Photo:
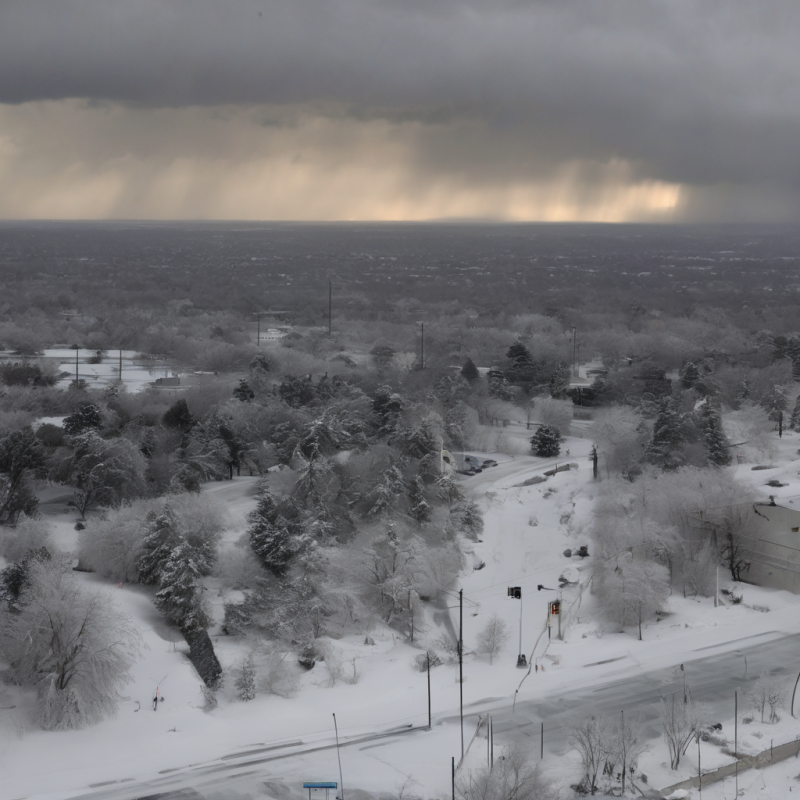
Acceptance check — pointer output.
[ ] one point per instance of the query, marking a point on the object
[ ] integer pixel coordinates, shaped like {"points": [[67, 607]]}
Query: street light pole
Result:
{"points": [[515, 592]]}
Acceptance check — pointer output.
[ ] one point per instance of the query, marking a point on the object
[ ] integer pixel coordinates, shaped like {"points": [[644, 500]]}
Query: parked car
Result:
{"points": [[489, 462]]}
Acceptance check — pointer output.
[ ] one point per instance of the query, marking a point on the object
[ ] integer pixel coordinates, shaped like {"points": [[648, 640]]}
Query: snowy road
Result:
{"points": [[710, 679]]}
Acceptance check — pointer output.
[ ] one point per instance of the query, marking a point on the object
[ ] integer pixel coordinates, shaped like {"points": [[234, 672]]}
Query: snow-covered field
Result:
{"points": [[527, 528]]}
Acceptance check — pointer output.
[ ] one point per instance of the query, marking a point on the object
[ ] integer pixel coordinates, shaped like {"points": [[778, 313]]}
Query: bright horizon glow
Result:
{"points": [[72, 160]]}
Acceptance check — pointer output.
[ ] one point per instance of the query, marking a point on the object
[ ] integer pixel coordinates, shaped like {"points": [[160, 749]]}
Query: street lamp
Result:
{"points": [[557, 610], [515, 592]]}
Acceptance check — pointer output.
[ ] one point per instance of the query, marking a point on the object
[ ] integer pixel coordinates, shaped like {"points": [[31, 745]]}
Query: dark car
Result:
{"points": [[490, 462]]}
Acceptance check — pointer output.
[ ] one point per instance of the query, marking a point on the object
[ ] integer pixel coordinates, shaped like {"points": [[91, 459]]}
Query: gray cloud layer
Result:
{"points": [[692, 92]]}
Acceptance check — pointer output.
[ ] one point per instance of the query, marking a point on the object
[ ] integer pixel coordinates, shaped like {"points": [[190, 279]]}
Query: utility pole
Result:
{"points": [[461, 663], [120, 366], [683, 670], [736, 738], [330, 308], [422, 346], [429, 690], [453, 775], [338, 755], [77, 351], [258, 328], [574, 352]]}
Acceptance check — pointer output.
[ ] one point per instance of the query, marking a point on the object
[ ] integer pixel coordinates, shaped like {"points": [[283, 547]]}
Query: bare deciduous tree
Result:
{"points": [[492, 637], [72, 644], [768, 691], [512, 776], [682, 721], [589, 736], [626, 744]]}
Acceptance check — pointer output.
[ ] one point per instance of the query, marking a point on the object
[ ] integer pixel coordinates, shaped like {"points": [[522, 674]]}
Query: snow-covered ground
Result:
{"points": [[527, 529]]}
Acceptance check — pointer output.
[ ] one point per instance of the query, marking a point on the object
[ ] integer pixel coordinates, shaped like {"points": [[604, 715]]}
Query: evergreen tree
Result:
{"points": [[774, 402], [157, 545], [419, 509], [794, 421], [559, 382], [519, 355], [271, 536], [467, 516], [664, 447], [717, 445], [85, 418], [179, 416], [386, 492], [243, 392], [469, 371], [499, 386], [689, 375], [387, 406], [180, 597], [449, 488], [245, 682], [546, 442]]}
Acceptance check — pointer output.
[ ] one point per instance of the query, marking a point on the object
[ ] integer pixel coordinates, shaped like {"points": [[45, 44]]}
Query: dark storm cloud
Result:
{"points": [[691, 92]]}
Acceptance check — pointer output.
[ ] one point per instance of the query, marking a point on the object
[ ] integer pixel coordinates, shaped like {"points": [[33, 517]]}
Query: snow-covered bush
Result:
{"points": [[28, 534], [71, 643]]}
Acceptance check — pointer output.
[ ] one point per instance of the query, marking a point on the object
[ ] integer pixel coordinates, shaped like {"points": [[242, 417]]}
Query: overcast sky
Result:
{"points": [[400, 109]]}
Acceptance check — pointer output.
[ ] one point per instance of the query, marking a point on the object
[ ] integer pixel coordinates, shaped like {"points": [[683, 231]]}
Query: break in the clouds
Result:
{"points": [[399, 109]]}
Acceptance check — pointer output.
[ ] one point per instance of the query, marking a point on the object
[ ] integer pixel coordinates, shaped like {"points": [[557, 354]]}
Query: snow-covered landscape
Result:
{"points": [[277, 743]]}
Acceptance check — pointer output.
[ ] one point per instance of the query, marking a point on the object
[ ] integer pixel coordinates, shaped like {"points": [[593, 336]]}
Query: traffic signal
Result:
{"points": [[515, 592], [555, 607]]}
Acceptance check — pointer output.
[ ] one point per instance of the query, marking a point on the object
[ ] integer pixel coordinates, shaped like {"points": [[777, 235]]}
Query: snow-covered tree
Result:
{"points": [[514, 776], [664, 447], [682, 719], [689, 374], [245, 681], [387, 491], [492, 637], [559, 382], [546, 442], [716, 442], [620, 435], [30, 533], [590, 736], [180, 597], [21, 456], [72, 644], [449, 489], [630, 589], [469, 371], [553, 413], [87, 417], [105, 472], [271, 536], [768, 692], [162, 536], [419, 507], [467, 517]]}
